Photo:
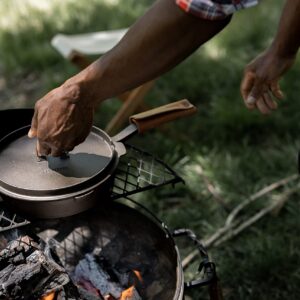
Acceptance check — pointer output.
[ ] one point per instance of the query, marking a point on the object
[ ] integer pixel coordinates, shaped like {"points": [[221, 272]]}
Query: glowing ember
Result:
{"points": [[130, 294], [50, 296]]}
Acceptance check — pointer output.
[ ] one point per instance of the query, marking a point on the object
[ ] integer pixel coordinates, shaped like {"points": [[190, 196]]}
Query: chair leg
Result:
{"points": [[79, 60], [123, 97], [135, 99]]}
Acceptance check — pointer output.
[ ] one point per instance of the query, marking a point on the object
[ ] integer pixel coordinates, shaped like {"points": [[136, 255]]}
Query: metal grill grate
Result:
{"points": [[137, 171], [9, 220]]}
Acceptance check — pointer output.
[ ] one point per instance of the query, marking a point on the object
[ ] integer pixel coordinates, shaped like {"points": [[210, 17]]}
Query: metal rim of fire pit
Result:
{"points": [[207, 266], [159, 229], [137, 209]]}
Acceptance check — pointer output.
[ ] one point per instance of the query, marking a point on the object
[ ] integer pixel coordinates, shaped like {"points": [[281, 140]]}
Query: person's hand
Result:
{"points": [[260, 85], [62, 119]]}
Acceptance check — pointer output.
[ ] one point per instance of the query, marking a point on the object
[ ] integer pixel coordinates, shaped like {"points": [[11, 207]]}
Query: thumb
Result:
{"points": [[34, 124]]}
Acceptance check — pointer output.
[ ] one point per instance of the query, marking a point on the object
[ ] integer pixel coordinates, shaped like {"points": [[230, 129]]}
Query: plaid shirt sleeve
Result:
{"points": [[214, 9]]}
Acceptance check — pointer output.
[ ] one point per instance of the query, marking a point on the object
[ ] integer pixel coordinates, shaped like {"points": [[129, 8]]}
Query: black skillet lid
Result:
{"points": [[21, 170]]}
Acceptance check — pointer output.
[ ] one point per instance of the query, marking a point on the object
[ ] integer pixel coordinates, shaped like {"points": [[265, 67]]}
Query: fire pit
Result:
{"points": [[117, 251]]}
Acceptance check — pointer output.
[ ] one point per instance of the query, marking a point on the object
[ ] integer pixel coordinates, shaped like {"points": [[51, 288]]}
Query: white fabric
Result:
{"points": [[88, 43]]}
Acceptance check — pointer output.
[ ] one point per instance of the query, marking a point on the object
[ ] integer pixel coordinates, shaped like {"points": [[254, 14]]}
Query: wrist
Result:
{"points": [[74, 92], [90, 83]]}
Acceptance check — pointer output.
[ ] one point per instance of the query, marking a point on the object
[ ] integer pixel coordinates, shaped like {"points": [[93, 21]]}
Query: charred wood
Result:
{"points": [[89, 271], [28, 270]]}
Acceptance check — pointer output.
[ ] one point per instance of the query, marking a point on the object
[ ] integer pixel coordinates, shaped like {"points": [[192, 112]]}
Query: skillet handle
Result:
{"points": [[163, 114]]}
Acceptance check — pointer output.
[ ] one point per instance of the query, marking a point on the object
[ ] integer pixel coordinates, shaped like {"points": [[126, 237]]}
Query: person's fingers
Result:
{"points": [[250, 102], [276, 91], [80, 139], [57, 152], [34, 125], [256, 92], [69, 148], [246, 87], [269, 101], [262, 106], [42, 149]]}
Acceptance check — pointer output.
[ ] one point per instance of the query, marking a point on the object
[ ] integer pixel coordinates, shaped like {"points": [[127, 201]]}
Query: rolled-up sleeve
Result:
{"points": [[214, 9]]}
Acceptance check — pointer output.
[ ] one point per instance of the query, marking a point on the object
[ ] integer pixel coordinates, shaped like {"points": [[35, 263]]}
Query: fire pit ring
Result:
{"points": [[126, 237]]}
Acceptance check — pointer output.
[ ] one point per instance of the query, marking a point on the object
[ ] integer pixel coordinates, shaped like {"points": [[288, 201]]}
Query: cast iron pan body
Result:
{"points": [[32, 199], [56, 187]]}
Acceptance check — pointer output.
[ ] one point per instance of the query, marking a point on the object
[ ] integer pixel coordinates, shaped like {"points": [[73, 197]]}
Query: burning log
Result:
{"points": [[97, 279], [28, 270], [89, 272]]}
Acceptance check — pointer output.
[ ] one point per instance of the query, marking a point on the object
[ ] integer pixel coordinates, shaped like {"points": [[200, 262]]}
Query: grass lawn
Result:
{"points": [[239, 151]]}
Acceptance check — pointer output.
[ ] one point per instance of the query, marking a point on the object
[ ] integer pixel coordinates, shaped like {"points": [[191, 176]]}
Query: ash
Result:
{"points": [[96, 278]]}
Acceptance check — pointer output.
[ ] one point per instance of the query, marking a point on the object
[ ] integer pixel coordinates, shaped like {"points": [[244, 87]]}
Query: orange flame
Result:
{"points": [[127, 294], [50, 296], [138, 275], [130, 293]]}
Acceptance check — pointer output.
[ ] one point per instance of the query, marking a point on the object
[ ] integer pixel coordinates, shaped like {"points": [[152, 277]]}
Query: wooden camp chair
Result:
{"points": [[75, 48]]}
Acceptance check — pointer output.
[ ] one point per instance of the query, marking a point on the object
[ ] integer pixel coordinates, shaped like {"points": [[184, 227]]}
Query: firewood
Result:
{"points": [[28, 271], [89, 270]]}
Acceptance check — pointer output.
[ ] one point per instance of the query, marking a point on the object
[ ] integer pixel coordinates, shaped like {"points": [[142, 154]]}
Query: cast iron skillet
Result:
{"points": [[58, 187]]}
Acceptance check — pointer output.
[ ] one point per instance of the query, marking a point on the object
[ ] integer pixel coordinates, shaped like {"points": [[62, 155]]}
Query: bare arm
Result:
{"points": [[287, 39], [158, 41], [261, 78]]}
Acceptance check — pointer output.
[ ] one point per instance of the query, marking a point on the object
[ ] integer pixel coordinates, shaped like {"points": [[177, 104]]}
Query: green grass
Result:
{"points": [[240, 151]]}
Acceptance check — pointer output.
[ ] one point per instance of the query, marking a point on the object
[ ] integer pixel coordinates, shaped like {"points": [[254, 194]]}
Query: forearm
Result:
{"points": [[158, 41], [287, 40]]}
